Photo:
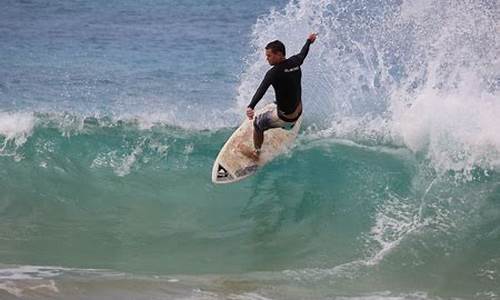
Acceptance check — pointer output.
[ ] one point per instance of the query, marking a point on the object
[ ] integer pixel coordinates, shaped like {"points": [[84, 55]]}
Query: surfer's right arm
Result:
{"points": [[261, 90]]}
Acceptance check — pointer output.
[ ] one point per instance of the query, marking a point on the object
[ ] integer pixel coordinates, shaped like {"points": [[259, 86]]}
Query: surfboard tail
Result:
{"points": [[221, 175]]}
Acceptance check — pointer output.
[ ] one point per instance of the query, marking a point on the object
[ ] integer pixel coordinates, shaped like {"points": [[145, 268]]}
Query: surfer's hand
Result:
{"points": [[250, 113], [312, 37]]}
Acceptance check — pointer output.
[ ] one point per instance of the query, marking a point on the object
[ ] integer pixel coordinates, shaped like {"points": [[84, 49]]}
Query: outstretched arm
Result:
{"points": [[299, 58]]}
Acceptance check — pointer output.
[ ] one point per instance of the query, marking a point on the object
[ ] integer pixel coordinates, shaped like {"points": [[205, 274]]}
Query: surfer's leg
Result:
{"points": [[260, 124]]}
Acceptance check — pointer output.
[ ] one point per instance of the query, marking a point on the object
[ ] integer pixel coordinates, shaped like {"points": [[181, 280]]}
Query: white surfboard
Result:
{"points": [[232, 165]]}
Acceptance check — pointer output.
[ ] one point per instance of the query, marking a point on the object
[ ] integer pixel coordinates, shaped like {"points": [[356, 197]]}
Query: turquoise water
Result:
{"points": [[333, 216], [112, 114]]}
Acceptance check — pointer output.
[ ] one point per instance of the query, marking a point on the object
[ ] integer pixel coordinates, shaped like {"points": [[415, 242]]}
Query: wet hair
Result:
{"points": [[276, 46]]}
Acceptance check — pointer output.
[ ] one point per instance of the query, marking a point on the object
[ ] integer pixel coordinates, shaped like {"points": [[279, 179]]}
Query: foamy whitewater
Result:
{"points": [[111, 115]]}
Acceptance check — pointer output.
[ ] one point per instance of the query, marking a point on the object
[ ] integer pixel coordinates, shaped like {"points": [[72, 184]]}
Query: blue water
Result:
{"points": [[111, 114], [119, 57]]}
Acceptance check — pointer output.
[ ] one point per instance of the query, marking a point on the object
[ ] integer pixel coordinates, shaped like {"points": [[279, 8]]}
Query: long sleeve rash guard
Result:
{"points": [[285, 78]]}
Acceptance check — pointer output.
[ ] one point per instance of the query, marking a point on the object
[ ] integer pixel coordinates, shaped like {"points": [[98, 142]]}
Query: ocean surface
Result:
{"points": [[112, 113]]}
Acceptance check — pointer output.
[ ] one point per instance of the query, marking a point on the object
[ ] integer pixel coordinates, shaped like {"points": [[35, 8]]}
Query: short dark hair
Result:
{"points": [[276, 46]]}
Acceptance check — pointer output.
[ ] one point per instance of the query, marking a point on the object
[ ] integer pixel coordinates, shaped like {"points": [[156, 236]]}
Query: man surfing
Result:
{"points": [[285, 77]]}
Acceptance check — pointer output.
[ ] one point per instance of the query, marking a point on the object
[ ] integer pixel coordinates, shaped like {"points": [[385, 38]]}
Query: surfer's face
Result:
{"points": [[274, 58]]}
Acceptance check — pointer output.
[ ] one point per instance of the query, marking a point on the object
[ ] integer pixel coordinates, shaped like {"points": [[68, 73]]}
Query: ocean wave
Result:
{"points": [[424, 77]]}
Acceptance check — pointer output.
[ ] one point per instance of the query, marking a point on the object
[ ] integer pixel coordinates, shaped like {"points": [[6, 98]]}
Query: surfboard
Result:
{"points": [[233, 165]]}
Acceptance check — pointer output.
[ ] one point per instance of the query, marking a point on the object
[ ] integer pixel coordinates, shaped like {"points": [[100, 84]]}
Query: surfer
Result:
{"points": [[284, 76]]}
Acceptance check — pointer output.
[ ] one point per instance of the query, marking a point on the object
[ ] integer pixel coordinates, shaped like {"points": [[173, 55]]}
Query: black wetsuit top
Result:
{"points": [[285, 79]]}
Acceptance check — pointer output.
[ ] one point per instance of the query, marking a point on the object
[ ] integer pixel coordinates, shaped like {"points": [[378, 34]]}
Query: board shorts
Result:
{"points": [[270, 119]]}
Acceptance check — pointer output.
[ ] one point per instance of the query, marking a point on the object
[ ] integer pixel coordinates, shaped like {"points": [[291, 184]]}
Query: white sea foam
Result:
{"points": [[18, 280], [421, 76], [15, 128], [391, 296], [42, 272], [122, 162], [247, 296], [26, 281], [396, 219]]}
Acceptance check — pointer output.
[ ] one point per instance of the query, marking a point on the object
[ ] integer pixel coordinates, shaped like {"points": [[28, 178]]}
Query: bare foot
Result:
{"points": [[249, 152]]}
